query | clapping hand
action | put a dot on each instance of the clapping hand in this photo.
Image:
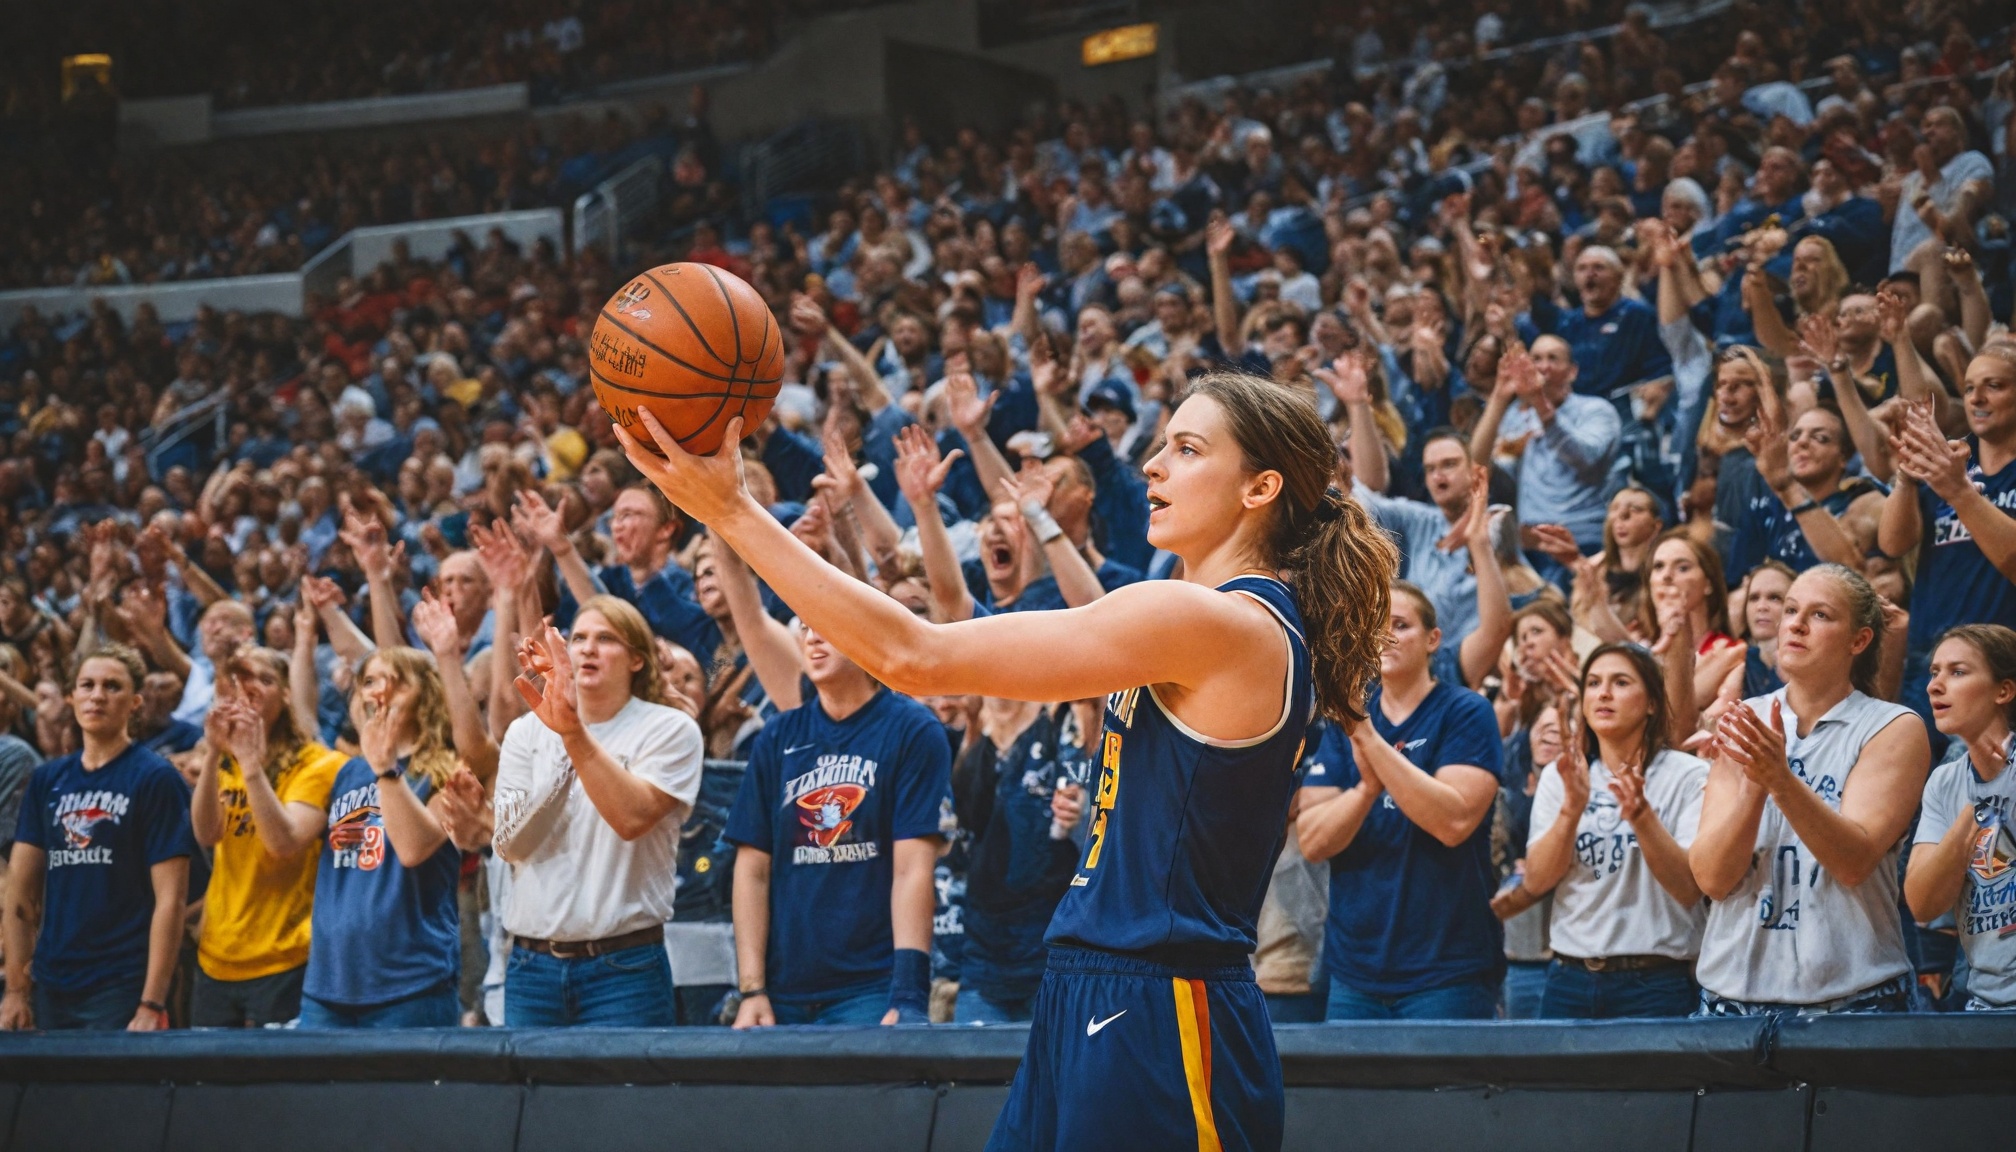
(464, 811)
(1627, 787)
(1349, 378)
(920, 472)
(963, 403)
(1756, 747)
(435, 622)
(544, 655)
(539, 521)
(504, 557)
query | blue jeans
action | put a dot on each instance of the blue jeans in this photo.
(630, 988)
(866, 1004)
(435, 1008)
(1525, 980)
(973, 1008)
(1475, 999)
(1575, 993)
(106, 1007)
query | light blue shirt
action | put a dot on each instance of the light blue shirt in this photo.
(1564, 472)
(1446, 577)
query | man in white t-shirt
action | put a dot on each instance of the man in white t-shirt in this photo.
(592, 787)
(1950, 186)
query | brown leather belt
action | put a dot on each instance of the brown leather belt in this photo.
(1622, 963)
(589, 949)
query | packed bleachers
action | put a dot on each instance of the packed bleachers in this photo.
(1690, 408)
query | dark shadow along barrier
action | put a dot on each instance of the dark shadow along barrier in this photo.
(1831, 1085)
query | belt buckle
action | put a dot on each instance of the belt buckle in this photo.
(567, 949)
(1596, 963)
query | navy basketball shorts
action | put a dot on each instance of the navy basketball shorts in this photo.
(1124, 1054)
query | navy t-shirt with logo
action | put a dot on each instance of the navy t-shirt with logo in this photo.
(382, 931)
(828, 799)
(103, 831)
(1971, 590)
(1408, 913)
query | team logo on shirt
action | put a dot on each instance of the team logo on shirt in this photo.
(1993, 853)
(79, 814)
(825, 799)
(355, 840)
(826, 812)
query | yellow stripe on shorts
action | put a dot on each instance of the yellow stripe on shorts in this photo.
(1193, 1018)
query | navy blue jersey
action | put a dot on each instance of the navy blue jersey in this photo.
(1015, 873)
(103, 831)
(1788, 541)
(828, 799)
(1970, 588)
(1408, 913)
(1185, 828)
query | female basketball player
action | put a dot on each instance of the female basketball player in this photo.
(1149, 1031)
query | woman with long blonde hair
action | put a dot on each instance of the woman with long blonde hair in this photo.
(387, 939)
(260, 804)
(594, 866)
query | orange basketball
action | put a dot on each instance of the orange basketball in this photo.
(693, 343)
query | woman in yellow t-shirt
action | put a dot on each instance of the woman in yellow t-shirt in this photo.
(265, 826)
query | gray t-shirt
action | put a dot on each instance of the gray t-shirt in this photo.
(1610, 904)
(18, 759)
(1987, 909)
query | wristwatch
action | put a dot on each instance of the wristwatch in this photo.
(1808, 506)
(393, 774)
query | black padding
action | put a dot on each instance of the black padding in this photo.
(343, 1117)
(1859, 1120)
(1761, 1120)
(966, 1114)
(1614, 1053)
(257, 1055)
(1948, 1052)
(866, 1055)
(91, 1118)
(1481, 1120)
(726, 1118)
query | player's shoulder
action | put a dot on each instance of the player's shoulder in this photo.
(1463, 704)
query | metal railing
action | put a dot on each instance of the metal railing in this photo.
(208, 413)
(798, 157)
(1286, 75)
(619, 207)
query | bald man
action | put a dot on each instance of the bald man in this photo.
(1613, 338)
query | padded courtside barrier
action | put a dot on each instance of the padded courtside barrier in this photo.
(1849, 1084)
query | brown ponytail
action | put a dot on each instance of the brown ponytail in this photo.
(1340, 564)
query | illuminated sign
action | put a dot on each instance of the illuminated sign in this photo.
(1116, 44)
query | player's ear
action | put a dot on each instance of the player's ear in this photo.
(1265, 486)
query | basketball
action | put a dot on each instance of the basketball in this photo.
(693, 343)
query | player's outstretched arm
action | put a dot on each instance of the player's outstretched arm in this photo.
(1154, 632)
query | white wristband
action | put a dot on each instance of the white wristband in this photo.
(1040, 521)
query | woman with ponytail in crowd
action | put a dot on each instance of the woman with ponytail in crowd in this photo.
(1210, 682)
(261, 803)
(1811, 791)
(1609, 840)
(387, 946)
(1961, 857)
(1400, 808)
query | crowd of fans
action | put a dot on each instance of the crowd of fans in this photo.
(1695, 427)
(238, 211)
(250, 55)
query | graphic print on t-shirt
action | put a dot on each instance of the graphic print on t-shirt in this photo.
(80, 814)
(356, 834)
(825, 799)
(1991, 899)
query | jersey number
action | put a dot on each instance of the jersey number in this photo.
(1109, 791)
